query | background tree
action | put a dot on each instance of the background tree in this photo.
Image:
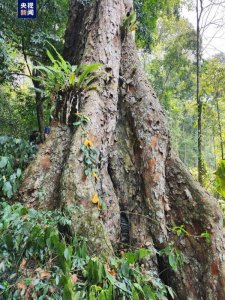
(27, 38)
(148, 12)
(199, 12)
(203, 21)
(213, 89)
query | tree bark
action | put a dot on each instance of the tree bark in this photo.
(140, 180)
(39, 103)
(199, 11)
(220, 127)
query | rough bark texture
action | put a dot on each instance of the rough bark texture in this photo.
(141, 183)
(40, 188)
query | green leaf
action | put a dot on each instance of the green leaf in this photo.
(23, 211)
(92, 295)
(77, 123)
(67, 253)
(122, 286)
(102, 296)
(142, 253)
(207, 236)
(87, 171)
(3, 162)
(7, 189)
(170, 291)
(82, 148)
(78, 296)
(86, 69)
(50, 56)
(74, 68)
(130, 257)
(149, 293)
(125, 269)
(134, 294)
(172, 261)
(57, 279)
(72, 78)
(139, 288)
(88, 161)
(18, 172)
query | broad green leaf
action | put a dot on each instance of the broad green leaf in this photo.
(139, 288)
(142, 253)
(3, 162)
(7, 189)
(18, 172)
(67, 253)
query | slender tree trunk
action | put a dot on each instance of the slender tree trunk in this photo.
(39, 111)
(38, 97)
(39, 105)
(214, 147)
(220, 127)
(199, 10)
(140, 181)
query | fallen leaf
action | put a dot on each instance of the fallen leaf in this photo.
(38, 270)
(45, 274)
(112, 272)
(21, 285)
(23, 263)
(74, 278)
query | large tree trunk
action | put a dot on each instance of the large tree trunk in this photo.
(141, 182)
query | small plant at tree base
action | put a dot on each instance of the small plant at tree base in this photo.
(207, 236)
(175, 257)
(39, 262)
(82, 120)
(180, 230)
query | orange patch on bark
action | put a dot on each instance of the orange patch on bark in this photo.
(45, 162)
(214, 268)
(151, 163)
(154, 142)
